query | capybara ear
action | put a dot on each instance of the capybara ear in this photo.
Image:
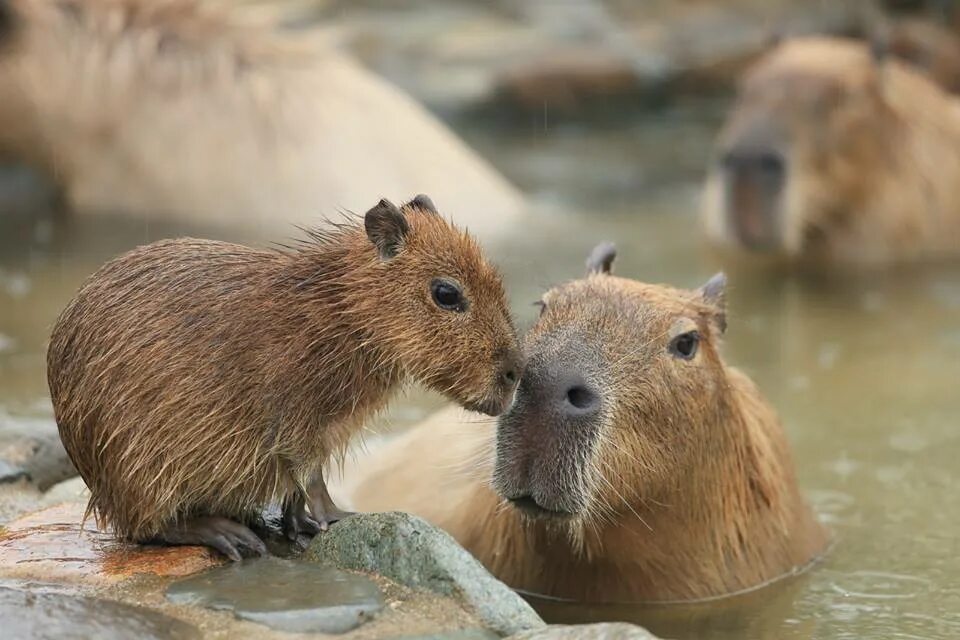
(424, 203)
(774, 38)
(386, 227)
(880, 44)
(601, 258)
(714, 293)
(7, 20)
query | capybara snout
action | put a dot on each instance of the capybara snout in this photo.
(559, 451)
(546, 438)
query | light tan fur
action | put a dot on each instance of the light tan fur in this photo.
(873, 173)
(693, 492)
(176, 108)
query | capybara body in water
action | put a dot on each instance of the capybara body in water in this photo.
(634, 465)
(195, 381)
(167, 109)
(831, 155)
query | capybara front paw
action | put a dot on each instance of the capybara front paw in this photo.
(230, 538)
(330, 516)
(297, 521)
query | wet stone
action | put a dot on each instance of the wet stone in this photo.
(284, 595)
(412, 552)
(51, 616)
(599, 631)
(30, 448)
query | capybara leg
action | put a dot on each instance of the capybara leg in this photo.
(325, 511)
(296, 520)
(224, 535)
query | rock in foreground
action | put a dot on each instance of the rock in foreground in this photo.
(290, 596)
(412, 552)
(600, 631)
(54, 616)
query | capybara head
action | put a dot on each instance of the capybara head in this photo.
(809, 127)
(439, 307)
(616, 399)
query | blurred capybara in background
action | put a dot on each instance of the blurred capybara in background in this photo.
(926, 45)
(180, 109)
(634, 465)
(196, 381)
(832, 155)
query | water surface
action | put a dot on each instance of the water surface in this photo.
(864, 369)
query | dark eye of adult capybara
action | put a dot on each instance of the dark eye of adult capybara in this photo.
(685, 345)
(448, 296)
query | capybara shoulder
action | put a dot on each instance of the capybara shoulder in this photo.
(634, 464)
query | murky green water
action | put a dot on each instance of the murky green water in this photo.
(865, 370)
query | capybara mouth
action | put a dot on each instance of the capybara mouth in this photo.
(528, 506)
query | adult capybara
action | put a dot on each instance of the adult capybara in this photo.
(196, 381)
(832, 156)
(634, 465)
(191, 110)
(925, 45)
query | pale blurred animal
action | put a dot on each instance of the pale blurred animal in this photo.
(180, 109)
(833, 156)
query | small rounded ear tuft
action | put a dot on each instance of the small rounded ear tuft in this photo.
(601, 258)
(774, 38)
(424, 203)
(386, 228)
(880, 45)
(714, 292)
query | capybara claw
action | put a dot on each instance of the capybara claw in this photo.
(222, 534)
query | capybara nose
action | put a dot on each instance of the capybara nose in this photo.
(510, 371)
(573, 397)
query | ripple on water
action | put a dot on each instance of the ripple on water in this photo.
(880, 585)
(285, 595)
(832, 506)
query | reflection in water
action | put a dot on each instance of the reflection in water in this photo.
(864, 370)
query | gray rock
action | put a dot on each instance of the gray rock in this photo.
(30, 448)
(600, 631)
(461, 634)
(51, 616)
(284, 595)
(410, 551)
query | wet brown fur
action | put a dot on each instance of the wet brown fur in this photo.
(193, 377)
(871, 152)
(691, 490)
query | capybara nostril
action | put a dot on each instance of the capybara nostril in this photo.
(581, 398)
(576, 398)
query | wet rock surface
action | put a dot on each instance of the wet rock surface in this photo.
(30, 449)
(51, 545)
(408, 550)
(54, 616)
(600, 631)
(290, 596)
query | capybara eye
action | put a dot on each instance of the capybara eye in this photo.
(685, 345)
(448, 296)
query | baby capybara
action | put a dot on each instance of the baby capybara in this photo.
(194, 381)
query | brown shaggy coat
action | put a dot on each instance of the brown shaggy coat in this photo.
(691, 488)
(193, 377)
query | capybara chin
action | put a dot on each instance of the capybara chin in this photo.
(832, 155)
(196, 381)
(634, 465)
